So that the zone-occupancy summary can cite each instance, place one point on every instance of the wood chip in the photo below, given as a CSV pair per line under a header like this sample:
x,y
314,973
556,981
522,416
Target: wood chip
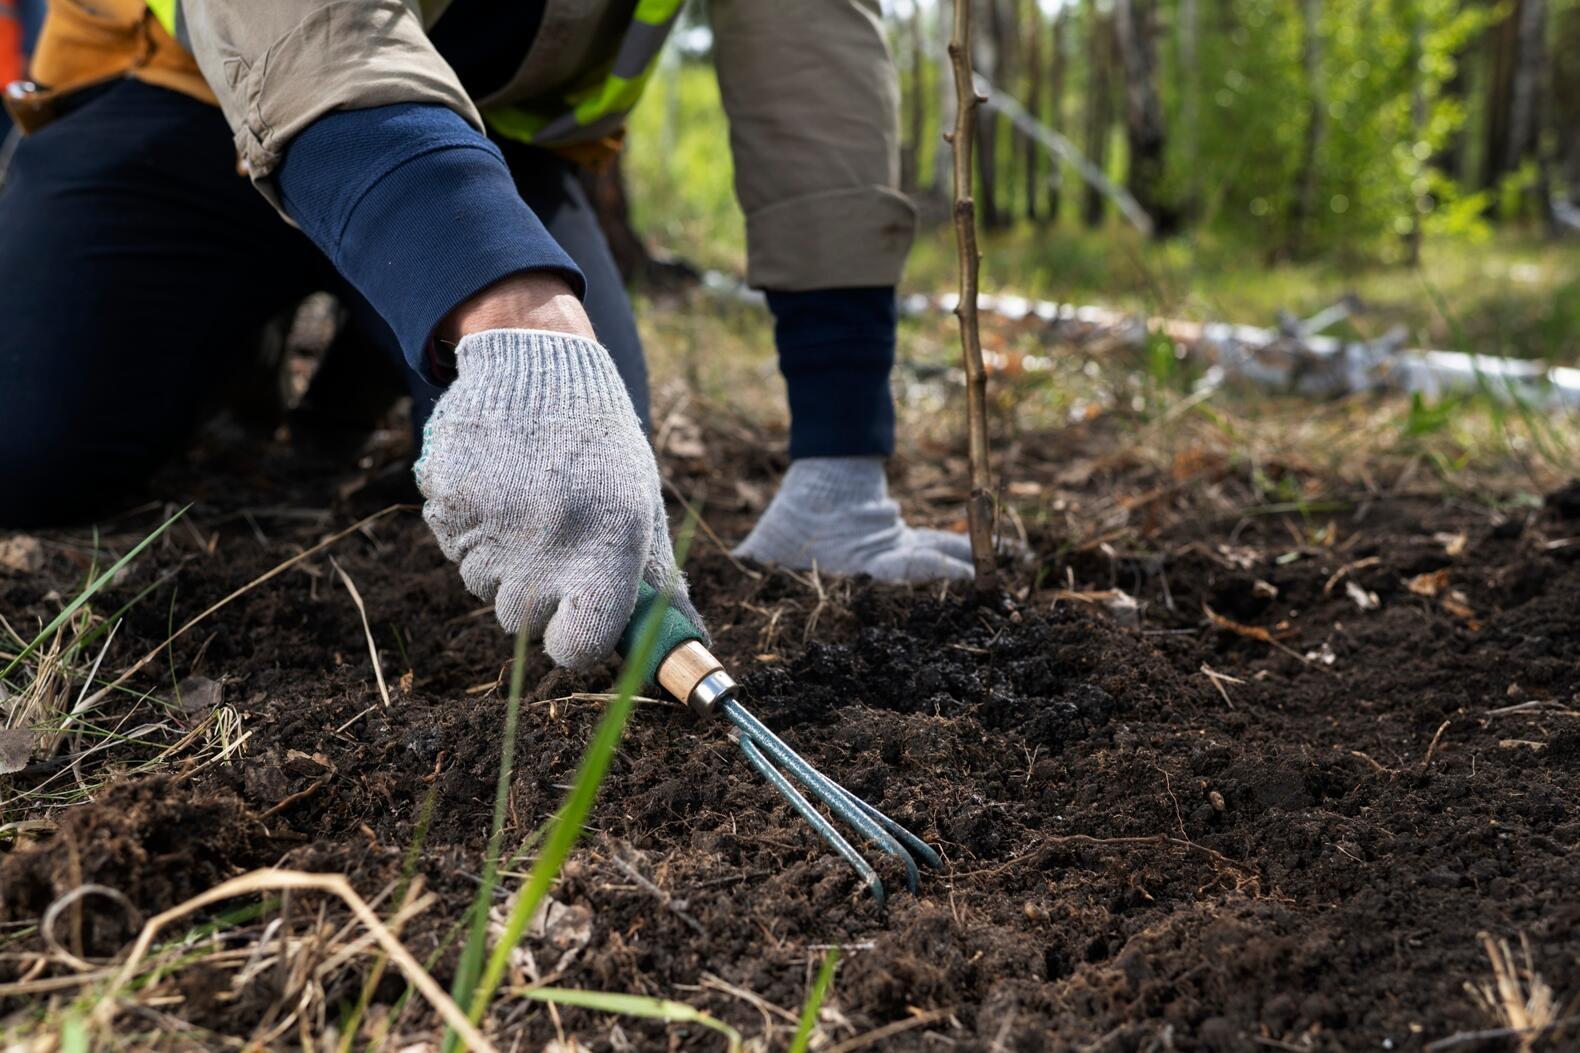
x,y
1363,598
1429,584
21,553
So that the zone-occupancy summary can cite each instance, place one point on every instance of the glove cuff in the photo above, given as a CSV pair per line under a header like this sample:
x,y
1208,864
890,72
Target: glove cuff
x,y
538,374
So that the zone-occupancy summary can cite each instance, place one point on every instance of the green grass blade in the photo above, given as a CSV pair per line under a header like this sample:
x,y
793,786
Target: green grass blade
x,y
476,946
573,819
419,837
638,1006
89,592
814,1002
584,791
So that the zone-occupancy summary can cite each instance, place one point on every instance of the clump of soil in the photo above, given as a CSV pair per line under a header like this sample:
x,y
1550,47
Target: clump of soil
x,y
1280,828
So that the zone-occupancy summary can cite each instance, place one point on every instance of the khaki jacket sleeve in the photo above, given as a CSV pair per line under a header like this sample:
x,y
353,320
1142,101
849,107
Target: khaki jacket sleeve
x,y
279,65
813,104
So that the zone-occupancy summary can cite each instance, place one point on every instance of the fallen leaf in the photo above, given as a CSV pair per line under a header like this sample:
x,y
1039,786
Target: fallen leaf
x,y
685,438
753,496
198,694
21,553
16,749
559,929
1453,544
1363,598
1429,584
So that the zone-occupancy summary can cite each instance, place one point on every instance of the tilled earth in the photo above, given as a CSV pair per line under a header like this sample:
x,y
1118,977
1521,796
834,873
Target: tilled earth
x,y
1271,807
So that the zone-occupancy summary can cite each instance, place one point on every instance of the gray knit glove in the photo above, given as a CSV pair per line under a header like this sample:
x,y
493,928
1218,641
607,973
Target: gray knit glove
x,y
540,483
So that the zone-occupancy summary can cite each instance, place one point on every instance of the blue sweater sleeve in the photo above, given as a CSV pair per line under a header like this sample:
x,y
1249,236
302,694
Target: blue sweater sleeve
x,y
836,349
417,209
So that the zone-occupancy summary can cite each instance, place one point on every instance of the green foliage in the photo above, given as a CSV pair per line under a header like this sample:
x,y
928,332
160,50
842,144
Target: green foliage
x,y
679,168
1384,120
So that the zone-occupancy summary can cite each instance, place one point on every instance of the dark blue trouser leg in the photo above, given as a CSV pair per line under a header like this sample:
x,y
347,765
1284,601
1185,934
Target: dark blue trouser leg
x,y
134,266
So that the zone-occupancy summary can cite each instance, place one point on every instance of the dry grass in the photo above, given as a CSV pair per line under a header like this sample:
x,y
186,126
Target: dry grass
x,y
1516,999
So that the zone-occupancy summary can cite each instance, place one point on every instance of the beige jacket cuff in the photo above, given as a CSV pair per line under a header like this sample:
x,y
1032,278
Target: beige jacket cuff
x,y
831,240
344,55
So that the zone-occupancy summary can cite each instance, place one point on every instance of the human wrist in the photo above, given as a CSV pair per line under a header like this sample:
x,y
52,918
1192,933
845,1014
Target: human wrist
x,y
534,372
541,300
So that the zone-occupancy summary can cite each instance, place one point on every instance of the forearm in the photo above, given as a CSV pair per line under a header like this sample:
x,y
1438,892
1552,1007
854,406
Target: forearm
x,y
419,212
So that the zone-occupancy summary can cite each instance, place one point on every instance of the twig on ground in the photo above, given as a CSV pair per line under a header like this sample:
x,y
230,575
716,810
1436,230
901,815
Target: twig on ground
x,y
1218,679
888,1031
664,898
367,630
1153,840
1431,749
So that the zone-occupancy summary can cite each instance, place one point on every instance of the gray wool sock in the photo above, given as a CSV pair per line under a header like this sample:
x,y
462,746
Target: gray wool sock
x,y
836,513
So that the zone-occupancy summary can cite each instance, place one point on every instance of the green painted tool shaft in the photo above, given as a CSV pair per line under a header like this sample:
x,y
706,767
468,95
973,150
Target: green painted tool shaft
x,y
675,630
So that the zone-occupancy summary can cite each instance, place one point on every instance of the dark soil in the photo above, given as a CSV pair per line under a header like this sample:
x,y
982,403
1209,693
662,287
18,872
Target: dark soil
x,y
1135,862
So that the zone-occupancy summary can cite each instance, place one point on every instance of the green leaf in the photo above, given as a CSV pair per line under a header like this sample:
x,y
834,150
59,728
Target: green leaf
x,y
636,1005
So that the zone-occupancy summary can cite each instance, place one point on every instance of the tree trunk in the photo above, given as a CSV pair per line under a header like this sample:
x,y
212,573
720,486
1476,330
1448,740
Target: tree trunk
x,y
1099,109
943,156
1190,100
911,152
1058,62
1572,168
1503,47
605,189
985,57
1303,217
1417,130
1033,156
1525,98
1144,130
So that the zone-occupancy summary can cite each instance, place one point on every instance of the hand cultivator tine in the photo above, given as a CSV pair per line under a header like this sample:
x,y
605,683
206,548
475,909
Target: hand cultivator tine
x,y
814,818
870,822
682,666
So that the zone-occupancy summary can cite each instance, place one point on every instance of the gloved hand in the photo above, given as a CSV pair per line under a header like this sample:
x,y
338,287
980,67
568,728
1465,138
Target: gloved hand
x,y
540,483
835,512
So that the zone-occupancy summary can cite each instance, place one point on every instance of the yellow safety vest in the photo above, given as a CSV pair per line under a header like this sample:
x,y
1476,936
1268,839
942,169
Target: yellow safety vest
x,y
592,110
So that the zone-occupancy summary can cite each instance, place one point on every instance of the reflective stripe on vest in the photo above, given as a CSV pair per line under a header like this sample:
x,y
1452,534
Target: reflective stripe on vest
x,y
165,11
595,109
